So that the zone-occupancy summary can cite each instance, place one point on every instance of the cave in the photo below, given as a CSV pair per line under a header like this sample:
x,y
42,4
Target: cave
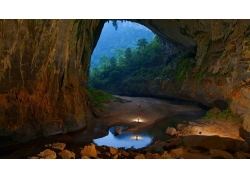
x,y
45,65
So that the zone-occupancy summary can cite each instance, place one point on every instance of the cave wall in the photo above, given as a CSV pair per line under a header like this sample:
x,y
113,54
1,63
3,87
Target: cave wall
x,y
43,71
222,69
44,66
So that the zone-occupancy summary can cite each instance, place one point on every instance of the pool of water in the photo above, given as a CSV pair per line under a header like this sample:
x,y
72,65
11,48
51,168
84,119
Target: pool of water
x,y
145,137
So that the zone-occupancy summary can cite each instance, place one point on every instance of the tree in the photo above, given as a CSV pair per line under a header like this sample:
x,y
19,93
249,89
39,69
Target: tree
x,y
142,43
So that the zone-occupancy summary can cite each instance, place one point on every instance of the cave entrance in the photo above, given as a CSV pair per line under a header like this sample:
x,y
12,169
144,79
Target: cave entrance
x,y
127,56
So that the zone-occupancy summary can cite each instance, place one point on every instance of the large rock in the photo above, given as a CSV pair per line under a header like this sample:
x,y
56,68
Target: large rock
x,y
89,151
66,154
171,131
140,156
221,154
47,154
58,145
113,150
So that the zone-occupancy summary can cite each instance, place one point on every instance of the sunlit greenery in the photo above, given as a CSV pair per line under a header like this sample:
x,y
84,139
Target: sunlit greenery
x,y
131,69
226,114
98,98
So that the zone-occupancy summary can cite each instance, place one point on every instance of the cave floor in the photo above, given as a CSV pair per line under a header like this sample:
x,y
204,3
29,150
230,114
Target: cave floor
x,y
202,137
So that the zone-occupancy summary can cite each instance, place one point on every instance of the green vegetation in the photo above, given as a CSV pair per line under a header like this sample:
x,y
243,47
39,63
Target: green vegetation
x,y
184,66
131,70
226,114
98,98
118,35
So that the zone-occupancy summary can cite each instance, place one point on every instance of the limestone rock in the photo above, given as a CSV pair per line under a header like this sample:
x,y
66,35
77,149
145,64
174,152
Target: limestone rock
x,y
58,145
47,154
221,153
140,156
166,155
113,150
89,151
34,157
85,157
115,156
66,154
242,155
179,127
179,152
124,153
118,130
171,131
149,155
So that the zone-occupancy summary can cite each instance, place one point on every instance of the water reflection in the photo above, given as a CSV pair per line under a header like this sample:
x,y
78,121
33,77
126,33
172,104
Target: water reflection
x,y
125,139
145,137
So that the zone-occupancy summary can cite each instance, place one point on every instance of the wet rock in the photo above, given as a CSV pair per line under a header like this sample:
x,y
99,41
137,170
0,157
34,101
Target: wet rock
x,y
66,154
113,150
221,153
140,156
171,131
89,151
58,145
47,154
118,130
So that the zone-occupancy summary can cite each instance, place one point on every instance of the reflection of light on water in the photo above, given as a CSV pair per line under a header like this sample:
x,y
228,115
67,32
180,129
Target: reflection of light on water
x,y
125,139
136,137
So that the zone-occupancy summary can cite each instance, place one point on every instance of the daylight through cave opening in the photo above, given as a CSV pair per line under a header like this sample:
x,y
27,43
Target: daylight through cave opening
x,y
132,60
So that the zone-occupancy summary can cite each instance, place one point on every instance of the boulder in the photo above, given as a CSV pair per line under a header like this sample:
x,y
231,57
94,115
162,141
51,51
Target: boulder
x,y
140,156
242,155
171,131
124,153
118,130
115,156
178,153
89,151
66,154
85,157
59,146
113,150
166,155
47,154
179,127
221,153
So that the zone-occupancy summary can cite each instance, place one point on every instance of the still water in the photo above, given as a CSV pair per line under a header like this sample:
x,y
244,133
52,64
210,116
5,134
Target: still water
x,y
145,137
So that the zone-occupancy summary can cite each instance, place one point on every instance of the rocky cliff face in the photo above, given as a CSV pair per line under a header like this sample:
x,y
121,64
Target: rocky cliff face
x,y
219,72
43,70
44,67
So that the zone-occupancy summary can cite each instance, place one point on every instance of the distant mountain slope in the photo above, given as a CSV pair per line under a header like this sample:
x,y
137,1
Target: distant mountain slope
x,y
125,36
